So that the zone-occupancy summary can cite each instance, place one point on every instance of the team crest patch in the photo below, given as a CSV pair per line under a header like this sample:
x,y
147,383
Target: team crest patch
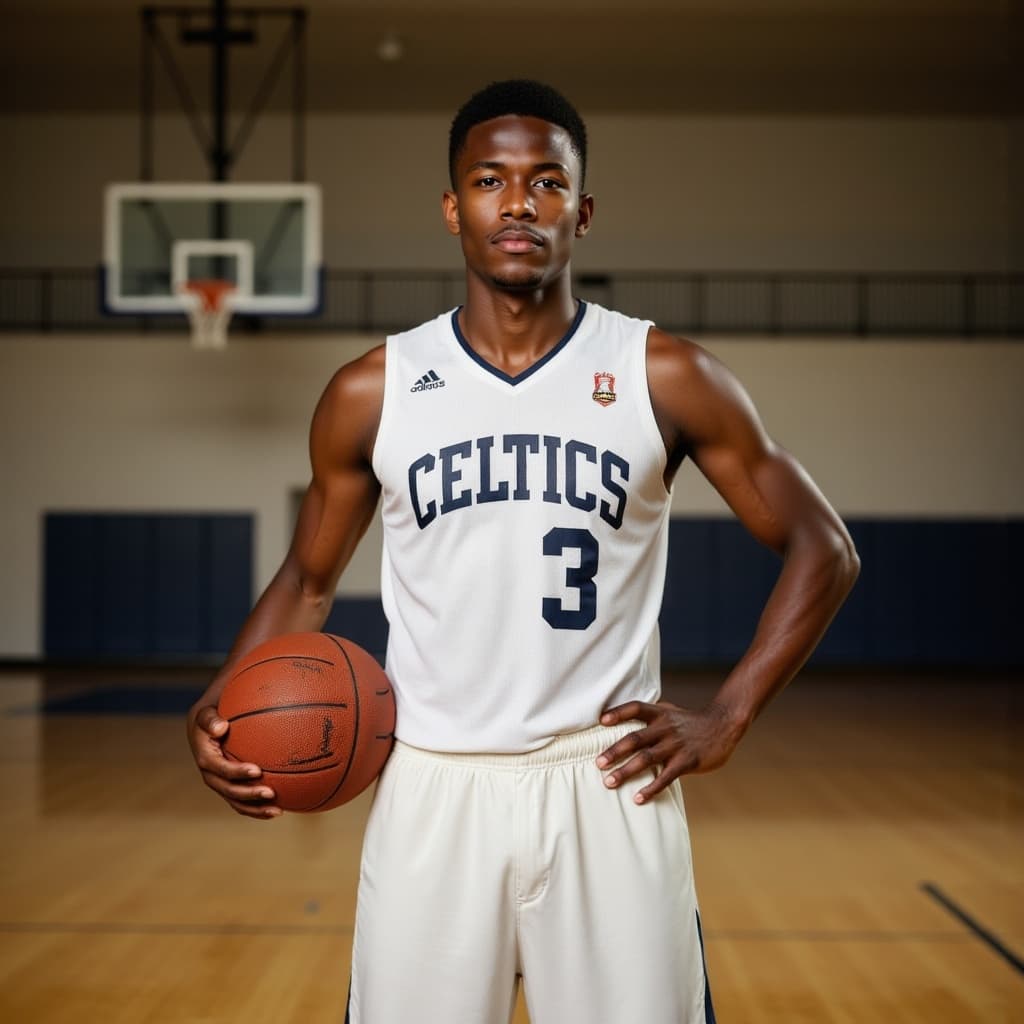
x,y
604,388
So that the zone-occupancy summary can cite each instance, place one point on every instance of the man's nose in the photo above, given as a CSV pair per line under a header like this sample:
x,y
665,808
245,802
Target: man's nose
x,y
517,202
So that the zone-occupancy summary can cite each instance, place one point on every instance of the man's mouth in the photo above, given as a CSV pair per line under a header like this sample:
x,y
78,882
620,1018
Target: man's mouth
x,y
517,240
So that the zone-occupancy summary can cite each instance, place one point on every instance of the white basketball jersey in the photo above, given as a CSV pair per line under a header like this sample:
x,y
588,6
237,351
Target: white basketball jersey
x,y
525,534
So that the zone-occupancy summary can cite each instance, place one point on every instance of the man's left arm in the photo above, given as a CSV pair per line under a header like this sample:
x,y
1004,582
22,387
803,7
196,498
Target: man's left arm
x,y
705,414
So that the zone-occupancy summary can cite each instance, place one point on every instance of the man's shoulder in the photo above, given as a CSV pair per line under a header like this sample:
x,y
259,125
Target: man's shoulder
x,y
434,327
360,380
595,311
681,371
664,344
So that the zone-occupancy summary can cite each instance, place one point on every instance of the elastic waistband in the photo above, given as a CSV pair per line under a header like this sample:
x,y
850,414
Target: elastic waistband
x,y
570,748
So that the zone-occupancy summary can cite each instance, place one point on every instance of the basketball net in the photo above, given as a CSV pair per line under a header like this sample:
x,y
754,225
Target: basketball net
x,y
209,310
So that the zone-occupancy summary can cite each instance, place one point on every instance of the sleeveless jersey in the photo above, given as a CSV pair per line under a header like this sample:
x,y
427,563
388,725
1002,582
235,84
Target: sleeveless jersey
x,y
525,534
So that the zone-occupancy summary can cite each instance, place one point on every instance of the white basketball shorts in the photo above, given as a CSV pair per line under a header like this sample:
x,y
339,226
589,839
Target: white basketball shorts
x,y
479,870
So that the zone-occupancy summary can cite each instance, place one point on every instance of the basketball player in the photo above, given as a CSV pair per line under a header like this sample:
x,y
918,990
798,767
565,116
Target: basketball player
x,y
530,821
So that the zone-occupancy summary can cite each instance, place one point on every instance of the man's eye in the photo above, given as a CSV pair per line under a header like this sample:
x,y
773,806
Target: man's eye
x,y
550,183
488,180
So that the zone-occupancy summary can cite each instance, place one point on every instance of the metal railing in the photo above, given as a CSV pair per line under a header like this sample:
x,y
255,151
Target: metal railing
x,y
964,305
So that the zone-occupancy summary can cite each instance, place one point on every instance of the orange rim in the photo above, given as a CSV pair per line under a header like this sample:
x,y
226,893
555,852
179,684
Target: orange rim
x,y
212,292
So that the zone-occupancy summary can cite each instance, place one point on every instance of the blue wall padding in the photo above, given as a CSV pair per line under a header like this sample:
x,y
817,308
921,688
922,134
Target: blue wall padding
x,y
931,592
71,583
179,606
144,585
229,578
360,619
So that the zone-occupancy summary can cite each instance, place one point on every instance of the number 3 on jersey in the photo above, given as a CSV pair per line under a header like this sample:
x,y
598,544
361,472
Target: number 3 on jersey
x,y
580,578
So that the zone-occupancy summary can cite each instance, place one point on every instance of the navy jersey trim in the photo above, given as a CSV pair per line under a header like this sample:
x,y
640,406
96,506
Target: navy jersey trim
x,y
709,1009
500,374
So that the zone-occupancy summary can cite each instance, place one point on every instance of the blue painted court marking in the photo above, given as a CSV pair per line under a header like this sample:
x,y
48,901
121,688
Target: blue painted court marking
x,y
122,700
989,938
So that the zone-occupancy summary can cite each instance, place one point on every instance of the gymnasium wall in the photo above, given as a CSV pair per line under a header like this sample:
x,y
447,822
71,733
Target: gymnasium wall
x,y
673,192
1016,161
891,430
896,432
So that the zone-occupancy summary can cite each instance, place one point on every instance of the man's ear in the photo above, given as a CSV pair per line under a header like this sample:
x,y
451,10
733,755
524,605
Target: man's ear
x,y
450,211
585,214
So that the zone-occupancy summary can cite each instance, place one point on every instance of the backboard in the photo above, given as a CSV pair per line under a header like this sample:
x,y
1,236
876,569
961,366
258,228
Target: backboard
x,y
263,238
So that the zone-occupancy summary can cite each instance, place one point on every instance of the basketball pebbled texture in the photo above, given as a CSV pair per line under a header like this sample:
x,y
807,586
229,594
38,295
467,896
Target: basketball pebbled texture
x,y
316,712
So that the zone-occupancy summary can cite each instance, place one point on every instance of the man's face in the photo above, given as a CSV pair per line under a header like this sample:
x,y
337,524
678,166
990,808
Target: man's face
x,y
517,207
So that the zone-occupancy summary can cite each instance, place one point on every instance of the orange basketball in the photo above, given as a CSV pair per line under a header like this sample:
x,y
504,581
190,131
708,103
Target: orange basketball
x,y
315,712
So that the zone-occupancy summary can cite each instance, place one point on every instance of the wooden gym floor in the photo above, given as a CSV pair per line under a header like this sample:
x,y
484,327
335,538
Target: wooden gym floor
x,y
860,860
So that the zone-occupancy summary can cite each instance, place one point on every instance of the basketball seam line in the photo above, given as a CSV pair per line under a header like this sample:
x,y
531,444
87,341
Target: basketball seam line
x,y
283,657
286,707
286,770
355,732
302,771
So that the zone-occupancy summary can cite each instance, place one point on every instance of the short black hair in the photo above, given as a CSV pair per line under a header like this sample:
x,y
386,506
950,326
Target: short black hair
x,y
525,98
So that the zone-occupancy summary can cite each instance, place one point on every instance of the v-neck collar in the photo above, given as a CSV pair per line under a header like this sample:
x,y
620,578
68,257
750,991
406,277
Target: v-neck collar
x,y
519,378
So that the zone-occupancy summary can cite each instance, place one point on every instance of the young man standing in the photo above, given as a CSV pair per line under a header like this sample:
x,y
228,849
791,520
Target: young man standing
x,y
530,820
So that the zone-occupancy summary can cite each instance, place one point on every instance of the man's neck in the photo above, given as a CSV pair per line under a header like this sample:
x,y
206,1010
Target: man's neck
x,y
513,330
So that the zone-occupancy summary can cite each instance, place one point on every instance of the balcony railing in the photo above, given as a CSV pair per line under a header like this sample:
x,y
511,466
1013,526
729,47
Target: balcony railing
x,y
964,305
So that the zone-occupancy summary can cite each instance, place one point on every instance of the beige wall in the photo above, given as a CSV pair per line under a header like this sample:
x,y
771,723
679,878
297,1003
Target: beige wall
x,y
673,192
887,428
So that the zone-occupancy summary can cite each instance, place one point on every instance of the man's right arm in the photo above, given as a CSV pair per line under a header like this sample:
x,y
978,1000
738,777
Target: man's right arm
x,y
335,513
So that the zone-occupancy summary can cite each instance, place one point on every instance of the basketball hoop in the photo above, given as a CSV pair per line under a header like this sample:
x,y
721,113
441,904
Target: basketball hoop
x,y
208,304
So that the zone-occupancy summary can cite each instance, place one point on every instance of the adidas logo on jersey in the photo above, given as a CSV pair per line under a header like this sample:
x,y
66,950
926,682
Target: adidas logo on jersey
x,y
428,382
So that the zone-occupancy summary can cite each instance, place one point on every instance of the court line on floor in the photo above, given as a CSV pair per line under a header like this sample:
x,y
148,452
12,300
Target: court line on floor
x,y
829,935
726,934
125,928
980,931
